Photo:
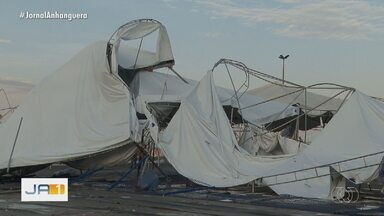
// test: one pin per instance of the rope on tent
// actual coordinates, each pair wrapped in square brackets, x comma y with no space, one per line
[165,88]
[344,99]
[138,51]
[115,184]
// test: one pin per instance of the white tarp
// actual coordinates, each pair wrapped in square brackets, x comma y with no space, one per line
[356,130]
[78,110]
[158,87]
[139,29]
[259,142]
[200,144]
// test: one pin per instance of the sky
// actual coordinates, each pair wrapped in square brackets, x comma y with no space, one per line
[335,41]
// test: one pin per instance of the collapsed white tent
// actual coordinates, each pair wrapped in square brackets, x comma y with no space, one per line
[78,110]
[83,113]
[84,109]
[354,136]
[258,142]
[134,59]
[151,87]
[199,142]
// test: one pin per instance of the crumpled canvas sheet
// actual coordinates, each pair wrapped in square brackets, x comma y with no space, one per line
[138,29]
[158,87]
[200,144]
[78,110]
[258,142]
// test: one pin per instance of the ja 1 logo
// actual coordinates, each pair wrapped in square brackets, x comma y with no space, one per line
[44,189]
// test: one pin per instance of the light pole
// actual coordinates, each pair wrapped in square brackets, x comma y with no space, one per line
[283,57]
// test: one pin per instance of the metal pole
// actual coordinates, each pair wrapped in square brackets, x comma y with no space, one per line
[14,143]
[305,116]
[283,58]
[283,69]
[178,75]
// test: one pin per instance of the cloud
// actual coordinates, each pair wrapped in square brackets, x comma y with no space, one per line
[170,3]
[324,19]
[14,84]
[194,10]
[5,41]
[290,1]
[212,34]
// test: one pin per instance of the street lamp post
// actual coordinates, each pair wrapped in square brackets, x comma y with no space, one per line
[283,58]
